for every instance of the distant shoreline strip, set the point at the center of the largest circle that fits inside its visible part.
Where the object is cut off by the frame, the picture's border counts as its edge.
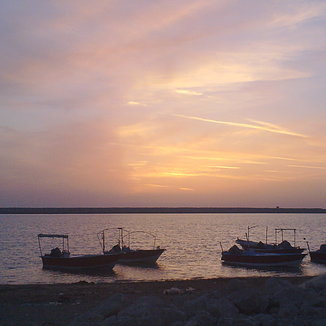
(158, 210)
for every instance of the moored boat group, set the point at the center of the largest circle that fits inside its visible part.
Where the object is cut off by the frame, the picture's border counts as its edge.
(120, 253)
(282, 253)
(250, 253)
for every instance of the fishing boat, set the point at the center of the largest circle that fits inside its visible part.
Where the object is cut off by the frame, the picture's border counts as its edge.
(283, 247)
(318, 256)
(237, 256)
(130, 255)
(62, 259)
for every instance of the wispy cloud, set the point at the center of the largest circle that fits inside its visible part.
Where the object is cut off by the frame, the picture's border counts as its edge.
(188, 92)
(134, 103)
(263, 126)
(155, 185)
(308, 167)
(224, 167)
(300, 15)
(186, 189)
(227, 158)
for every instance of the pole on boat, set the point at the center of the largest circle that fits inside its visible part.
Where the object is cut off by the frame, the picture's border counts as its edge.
(103, 239)
(39, 245)
(266, 233)
(120, 240)
(247, 234)
(221, 246)
(276, 233)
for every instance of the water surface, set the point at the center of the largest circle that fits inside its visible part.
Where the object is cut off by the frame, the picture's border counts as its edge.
(192, 242)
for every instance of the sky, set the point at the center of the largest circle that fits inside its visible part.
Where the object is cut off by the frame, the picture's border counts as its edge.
(163, 103)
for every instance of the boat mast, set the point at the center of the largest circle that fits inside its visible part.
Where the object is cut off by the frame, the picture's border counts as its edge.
(247, 234)
(39, 245)
(266, 234)
(103, 241)
(121, 237)
(282, 232)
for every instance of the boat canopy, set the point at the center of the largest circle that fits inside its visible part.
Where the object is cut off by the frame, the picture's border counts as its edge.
(64, 236)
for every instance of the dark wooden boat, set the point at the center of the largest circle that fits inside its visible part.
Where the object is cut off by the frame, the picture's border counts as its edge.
(237, 256)
(318, 256)
(62, 259)
(283, 247)
(130, 255)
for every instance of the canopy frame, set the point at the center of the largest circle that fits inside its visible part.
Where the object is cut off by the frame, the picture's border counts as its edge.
(64, 237)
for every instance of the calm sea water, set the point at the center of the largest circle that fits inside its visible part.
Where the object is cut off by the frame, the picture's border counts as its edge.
(192, 242)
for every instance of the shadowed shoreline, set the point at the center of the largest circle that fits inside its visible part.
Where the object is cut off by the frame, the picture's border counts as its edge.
(221, 301)
(158, 210)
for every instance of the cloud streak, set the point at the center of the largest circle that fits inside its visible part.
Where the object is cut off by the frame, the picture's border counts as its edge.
(188, 92)
(262, 126)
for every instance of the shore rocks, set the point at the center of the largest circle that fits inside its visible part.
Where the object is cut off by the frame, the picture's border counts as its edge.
(275, 303)
(110, 307)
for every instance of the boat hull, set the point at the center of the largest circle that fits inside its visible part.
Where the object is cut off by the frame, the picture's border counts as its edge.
(80, 262)
(280, 250)
(318, 257)
(264, 259)
(141, 256)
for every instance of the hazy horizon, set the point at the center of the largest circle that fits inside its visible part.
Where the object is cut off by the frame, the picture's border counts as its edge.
(163, 104)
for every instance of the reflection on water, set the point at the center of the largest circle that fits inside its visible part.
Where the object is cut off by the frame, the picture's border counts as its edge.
(192, 243)
(275, 270)
(90, 272)
(103, 272)
(318, 263)
(141, 265)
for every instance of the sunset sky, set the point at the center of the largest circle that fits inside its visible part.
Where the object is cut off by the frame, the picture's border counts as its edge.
(163, 103)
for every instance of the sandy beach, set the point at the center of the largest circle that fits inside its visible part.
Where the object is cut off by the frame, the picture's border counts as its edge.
(231, 301)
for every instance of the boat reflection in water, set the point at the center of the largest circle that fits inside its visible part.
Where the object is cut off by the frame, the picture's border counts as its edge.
(295, 269)
(106, 273)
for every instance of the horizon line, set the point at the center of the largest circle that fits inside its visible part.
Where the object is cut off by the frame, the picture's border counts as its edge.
(156, 210)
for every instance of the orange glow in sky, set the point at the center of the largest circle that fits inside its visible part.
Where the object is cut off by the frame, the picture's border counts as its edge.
(184, 103)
